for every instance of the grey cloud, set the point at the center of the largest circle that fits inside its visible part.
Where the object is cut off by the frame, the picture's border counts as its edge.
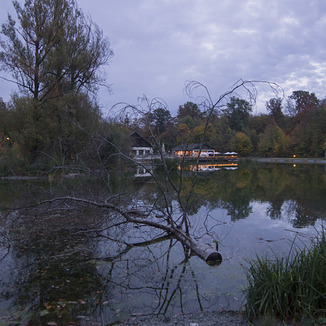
(158, 45)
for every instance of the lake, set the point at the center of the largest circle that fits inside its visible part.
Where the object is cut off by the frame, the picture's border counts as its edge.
(71, 263)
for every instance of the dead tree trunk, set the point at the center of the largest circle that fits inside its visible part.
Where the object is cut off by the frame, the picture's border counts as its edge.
(204, 251)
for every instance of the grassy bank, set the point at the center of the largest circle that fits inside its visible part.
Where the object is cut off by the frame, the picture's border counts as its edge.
(290, 288)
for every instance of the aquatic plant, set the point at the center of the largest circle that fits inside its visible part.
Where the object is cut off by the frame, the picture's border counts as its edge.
(293, 287)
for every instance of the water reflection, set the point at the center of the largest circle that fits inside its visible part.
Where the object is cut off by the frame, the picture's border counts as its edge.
(79, 265)
(208, 167)
(299, 191)
(144, 171)
(152, 280)
(50, 274)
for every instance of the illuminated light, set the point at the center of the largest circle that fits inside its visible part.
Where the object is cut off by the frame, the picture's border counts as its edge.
(7, 138)
(294, 165)
(207, 167)
(294, 155)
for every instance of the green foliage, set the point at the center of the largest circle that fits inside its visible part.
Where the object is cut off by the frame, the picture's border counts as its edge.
(3, 129)
(57, 131)
(53, 50)
(242, 144)
(274, 108)
(220, 135)
(54, 54)
(189, 114)
(273, 141)
(303, 101)
(292, 287)
(238, 112)
(117, 140)
(257, 125)
(169, 136)
(309, 135)
(161, 118)
(183, 133)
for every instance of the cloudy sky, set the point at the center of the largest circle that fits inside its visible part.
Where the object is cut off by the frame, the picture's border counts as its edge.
(160, 44)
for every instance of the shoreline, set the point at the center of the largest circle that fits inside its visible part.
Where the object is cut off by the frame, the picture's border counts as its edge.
(212, 318)
(291, 160)
(209, 318)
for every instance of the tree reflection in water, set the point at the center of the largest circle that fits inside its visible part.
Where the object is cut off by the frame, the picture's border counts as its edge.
(76, 263)
(68, 268)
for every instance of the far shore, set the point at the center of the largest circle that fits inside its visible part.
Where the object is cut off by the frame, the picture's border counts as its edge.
(292, 160)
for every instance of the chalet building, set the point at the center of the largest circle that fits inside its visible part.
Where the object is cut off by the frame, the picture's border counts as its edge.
(140, 147)
(193, 150)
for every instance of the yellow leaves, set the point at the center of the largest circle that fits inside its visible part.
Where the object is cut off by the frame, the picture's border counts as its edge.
(47, 305)
(195, 135)
(183, 133)
(242, 144)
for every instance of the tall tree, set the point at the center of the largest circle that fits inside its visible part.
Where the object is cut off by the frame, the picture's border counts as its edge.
(161, 118)
(2, 104)
(302, 101)
(257, 125)
(238, 112)
(54, 49)
(3, 126)
(189, 114)
(221, 136)
(308, 136)
(274, 108)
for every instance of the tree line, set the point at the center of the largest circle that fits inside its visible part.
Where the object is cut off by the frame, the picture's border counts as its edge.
(55, 55)
(291, 126)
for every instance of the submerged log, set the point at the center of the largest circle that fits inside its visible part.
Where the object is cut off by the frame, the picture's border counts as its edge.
(204, 251)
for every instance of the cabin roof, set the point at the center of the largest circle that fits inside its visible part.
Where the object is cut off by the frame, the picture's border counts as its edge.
(138, 141)
(191, 147)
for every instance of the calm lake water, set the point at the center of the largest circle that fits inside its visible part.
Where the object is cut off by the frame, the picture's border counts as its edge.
(80, 265)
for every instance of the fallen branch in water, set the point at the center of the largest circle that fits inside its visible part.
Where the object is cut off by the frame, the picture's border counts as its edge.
(206, 252)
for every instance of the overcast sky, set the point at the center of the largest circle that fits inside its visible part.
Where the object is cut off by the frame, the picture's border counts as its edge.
(160, 44)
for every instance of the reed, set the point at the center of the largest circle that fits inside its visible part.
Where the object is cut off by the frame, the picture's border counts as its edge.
(293, 287)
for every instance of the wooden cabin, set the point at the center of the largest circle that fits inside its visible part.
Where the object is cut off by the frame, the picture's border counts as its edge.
(140, 147)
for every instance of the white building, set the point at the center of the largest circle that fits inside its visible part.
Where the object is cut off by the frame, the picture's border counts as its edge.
(139, 146)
